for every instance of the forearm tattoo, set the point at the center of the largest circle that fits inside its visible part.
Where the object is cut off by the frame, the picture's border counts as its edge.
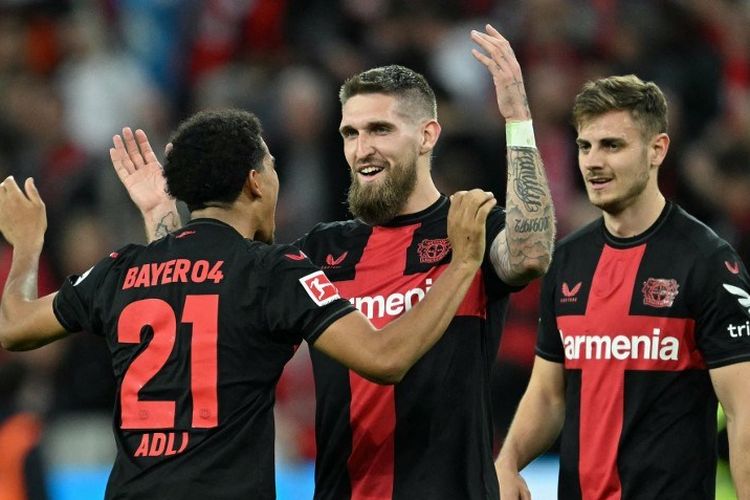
(526, 178)
(526, 248)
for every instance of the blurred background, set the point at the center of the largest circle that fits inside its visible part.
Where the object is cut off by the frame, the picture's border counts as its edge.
(74, 72)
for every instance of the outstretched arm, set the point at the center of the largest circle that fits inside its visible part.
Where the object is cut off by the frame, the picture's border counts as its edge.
(523, 250)
(142, 175)
(26, 322)
(386, 355)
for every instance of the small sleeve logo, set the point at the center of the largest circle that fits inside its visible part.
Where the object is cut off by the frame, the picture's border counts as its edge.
(319, 288)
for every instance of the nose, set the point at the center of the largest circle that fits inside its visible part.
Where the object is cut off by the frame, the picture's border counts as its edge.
(364, 146)
(590, 160)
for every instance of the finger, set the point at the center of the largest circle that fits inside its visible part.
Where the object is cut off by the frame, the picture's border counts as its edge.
(486, 201)
(120, 158)
(12, 189)
(148, 152)
(132, 147)
(492, 31)
(32, 192)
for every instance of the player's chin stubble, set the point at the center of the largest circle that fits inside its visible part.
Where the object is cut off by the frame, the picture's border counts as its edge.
(379, 202)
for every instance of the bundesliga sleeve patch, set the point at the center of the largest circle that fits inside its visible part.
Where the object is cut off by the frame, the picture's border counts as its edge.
(319, 288)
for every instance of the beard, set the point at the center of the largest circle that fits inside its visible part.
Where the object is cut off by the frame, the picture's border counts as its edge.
(379, 202)
(617, 205)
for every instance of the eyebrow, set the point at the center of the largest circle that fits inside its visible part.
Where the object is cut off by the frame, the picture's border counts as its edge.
(369, 126)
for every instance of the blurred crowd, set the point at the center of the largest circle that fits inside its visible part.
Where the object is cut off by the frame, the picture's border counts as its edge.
(74, 72)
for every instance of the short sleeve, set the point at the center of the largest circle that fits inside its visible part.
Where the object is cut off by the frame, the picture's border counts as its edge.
(722, 295)
(74, 303)
(300, 298)
(548, 342)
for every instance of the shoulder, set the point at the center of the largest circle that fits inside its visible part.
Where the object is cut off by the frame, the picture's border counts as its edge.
(326, 234)
(697, 236)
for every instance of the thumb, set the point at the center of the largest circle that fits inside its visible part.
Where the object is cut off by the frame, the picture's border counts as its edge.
(32, 192)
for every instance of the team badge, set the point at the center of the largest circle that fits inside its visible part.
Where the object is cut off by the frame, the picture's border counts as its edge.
(660, 292)
(319, 288)
(432, 251)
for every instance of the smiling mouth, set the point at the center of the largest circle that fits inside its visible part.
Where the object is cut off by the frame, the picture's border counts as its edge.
(598, 182)
(370, 171)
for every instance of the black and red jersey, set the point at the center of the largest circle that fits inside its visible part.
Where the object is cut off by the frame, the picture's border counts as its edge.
(637, 323)
(430, 436)
(199, 325)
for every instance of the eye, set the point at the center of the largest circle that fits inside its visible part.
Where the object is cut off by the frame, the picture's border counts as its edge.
(583, 148)
(381, 129)
(348, 133)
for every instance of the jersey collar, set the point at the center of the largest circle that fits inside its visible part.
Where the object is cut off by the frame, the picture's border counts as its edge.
(638, 239)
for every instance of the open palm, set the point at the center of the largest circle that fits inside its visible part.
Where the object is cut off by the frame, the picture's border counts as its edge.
(138, 169)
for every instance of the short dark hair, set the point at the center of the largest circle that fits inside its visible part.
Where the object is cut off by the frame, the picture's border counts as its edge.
(405, 84)
(644, 100)
(212, 154)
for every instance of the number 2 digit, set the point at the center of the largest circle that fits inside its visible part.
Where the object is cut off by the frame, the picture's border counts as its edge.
(200, 310)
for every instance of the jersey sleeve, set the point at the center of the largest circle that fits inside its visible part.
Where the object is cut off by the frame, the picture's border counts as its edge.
(548, 342)
(74, 304)
(722, 295)
(300, 299)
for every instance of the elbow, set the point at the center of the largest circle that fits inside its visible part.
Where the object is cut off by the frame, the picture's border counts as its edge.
(531, 270)
(385, 372)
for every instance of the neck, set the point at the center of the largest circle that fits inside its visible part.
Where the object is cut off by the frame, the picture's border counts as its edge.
(636, 218)
(232, 216)
(424, 195)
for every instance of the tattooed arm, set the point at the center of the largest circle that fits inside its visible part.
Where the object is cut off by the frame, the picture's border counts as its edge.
(523, 250)
(141, 174)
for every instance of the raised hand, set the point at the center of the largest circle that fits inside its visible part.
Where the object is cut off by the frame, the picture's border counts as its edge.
(23, 217)
(467, 219)
(139, 170)
(500, 60)
(143, 177)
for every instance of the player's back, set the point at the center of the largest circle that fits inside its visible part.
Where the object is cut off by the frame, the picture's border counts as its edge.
(197, 349)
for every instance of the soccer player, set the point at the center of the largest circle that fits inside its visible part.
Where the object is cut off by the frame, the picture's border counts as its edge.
(645, 322)
(431, 435)
(200, 323)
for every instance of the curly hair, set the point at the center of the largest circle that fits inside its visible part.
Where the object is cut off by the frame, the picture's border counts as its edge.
(410, 87)
(644, 100)
(212, 154)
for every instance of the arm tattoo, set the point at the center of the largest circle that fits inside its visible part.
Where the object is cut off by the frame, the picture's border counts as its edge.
(165, 225)
(525, 176)
(523, 250)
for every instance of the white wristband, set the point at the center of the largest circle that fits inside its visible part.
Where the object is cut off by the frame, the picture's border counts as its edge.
(519, 135)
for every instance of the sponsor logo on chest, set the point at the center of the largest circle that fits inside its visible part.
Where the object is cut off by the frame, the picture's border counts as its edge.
(621, 347)
(392, 305)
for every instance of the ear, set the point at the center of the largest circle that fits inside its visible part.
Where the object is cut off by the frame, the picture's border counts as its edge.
(658, 149)
(430, 134)
(253, 184)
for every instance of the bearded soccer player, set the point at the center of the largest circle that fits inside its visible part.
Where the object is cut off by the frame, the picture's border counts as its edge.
(431, 435)
(645, 322)
(200, 323)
